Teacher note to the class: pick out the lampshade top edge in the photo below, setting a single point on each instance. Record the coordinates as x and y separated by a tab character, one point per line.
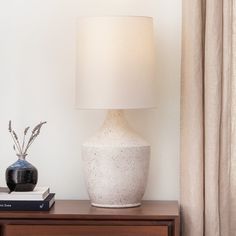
114	16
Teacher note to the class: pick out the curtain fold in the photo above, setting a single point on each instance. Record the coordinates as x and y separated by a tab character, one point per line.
191	176
232	199
208	118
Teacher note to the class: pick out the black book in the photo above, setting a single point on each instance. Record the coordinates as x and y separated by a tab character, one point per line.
28	205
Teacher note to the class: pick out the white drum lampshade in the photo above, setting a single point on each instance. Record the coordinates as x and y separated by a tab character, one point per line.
115	71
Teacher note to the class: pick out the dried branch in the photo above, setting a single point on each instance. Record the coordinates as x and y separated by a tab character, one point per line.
25	133
14	137
34	134
17	141
9	126
22	149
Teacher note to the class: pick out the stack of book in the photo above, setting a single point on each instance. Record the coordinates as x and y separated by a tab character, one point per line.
40	199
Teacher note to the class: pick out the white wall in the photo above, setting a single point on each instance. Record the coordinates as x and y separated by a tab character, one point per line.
37	68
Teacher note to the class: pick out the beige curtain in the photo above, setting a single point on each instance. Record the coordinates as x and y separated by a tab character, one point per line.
208	118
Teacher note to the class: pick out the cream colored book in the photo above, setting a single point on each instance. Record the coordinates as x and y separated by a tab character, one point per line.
39	193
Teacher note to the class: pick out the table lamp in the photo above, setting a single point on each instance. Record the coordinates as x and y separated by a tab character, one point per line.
116	72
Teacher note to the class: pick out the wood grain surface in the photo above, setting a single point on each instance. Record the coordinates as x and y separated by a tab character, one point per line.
79	218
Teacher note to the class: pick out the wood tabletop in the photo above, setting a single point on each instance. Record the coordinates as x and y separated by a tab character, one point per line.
81	209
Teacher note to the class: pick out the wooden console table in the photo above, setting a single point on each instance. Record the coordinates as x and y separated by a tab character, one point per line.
78	218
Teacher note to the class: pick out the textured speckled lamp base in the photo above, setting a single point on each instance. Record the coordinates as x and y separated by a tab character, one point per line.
116	206
116	163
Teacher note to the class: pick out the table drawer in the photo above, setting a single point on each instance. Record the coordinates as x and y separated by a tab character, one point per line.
74	230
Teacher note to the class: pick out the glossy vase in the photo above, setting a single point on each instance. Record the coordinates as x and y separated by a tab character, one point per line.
21	175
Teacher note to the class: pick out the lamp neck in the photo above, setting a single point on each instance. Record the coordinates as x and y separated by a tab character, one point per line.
116	131
115	119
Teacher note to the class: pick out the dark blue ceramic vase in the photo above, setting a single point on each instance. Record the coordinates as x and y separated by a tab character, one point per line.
21	175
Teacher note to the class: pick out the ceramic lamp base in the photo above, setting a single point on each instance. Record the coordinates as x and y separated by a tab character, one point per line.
116	206
116	163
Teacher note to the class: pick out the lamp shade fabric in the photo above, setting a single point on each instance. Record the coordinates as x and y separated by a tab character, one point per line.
115	63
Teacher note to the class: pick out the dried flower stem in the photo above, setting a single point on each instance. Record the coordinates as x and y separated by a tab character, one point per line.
34	134
22	149
16	145
17	141
25	133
